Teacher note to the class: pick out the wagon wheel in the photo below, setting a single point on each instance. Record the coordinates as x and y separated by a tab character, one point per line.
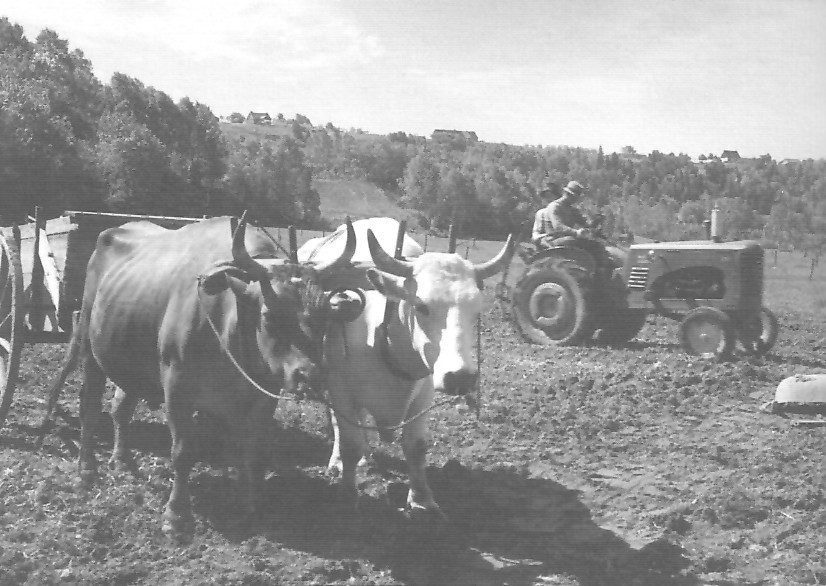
11	321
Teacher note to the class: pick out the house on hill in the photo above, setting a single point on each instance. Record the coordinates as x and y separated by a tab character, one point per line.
441	135
730	156
258	118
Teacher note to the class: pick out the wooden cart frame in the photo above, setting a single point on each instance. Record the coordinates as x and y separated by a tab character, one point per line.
42	274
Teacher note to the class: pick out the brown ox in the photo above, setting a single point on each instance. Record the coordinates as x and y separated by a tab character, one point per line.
163	309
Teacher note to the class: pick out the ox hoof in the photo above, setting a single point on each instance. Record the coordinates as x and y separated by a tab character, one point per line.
179	528
123	465
87	476
426	513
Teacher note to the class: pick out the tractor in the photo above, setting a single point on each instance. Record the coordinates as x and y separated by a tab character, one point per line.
583	289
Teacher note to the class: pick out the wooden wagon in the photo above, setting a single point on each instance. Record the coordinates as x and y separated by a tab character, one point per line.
42	273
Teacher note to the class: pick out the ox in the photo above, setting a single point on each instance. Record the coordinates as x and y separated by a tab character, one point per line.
163	311
390	364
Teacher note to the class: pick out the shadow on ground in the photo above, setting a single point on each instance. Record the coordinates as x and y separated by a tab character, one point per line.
503	527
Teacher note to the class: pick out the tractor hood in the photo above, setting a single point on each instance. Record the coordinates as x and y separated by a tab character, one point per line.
697	245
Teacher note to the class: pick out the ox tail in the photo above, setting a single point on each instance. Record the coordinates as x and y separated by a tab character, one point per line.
70	363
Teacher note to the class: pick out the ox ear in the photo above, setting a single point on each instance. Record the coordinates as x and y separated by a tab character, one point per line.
393	287
222	276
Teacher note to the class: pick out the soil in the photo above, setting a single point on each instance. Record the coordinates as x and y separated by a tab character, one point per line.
638	465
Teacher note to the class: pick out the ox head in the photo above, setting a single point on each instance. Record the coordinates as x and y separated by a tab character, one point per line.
283	304
439	300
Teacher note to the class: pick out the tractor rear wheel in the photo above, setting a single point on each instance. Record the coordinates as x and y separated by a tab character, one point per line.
552	304
758	333
708	333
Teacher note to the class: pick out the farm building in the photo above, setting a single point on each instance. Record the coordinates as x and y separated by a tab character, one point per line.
441	135
258	118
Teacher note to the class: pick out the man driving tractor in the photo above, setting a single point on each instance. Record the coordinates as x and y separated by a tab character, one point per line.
559	218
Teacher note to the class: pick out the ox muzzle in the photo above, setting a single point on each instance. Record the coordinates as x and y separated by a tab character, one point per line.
457	383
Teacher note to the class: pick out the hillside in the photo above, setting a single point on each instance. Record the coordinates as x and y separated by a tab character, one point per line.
358	199
339	197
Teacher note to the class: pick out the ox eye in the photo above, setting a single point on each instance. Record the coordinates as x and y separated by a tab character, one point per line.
422	308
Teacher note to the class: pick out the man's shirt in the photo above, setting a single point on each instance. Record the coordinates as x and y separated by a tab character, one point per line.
558	218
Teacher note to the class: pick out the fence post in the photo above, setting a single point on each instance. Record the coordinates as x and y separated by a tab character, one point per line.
400	239
293	245
451	240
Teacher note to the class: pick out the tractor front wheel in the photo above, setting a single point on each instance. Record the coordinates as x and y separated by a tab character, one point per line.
552	304
708	333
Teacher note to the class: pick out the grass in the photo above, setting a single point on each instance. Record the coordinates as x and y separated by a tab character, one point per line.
791	285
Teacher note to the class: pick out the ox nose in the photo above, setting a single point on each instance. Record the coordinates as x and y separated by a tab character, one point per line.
308	379
460	382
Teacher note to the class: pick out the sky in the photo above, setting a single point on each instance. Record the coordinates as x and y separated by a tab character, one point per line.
677	76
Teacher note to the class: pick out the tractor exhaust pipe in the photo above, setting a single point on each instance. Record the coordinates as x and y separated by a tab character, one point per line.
715	226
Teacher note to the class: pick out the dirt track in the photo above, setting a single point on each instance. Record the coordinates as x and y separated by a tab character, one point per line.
588	466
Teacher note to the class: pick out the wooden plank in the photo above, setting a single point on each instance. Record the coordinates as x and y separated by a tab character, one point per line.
33	302
51	281
117	219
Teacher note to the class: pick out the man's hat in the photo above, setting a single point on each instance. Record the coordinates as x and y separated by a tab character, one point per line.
574	188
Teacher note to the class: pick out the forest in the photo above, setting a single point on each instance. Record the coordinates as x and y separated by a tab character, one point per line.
70	141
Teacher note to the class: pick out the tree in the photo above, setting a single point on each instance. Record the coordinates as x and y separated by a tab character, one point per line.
134	166
271	181
48	100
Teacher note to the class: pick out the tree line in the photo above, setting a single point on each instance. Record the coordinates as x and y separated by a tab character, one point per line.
490	189
68	141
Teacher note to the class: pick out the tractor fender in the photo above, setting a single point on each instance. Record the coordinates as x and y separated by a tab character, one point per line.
571	254
617	254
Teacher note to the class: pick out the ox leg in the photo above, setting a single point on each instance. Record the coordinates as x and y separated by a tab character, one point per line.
348	449
335	466
415	443
91	397
123	408
254	453
177	517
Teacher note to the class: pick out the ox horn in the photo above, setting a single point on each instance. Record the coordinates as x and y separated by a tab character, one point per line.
243	260
241	256
345	256
498	262
385	262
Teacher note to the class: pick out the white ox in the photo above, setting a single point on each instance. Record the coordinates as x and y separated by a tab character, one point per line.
429	344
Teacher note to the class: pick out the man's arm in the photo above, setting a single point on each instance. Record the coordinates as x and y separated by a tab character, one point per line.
538	227
561	224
